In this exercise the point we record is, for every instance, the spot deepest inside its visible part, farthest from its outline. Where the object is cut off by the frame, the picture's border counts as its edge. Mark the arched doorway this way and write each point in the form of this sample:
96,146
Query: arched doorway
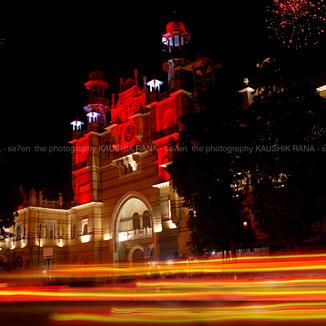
19,262
138,256
3,262
122,253
133,228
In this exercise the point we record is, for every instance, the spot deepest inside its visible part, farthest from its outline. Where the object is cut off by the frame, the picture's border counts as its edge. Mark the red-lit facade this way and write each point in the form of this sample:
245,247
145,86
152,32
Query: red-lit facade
121,159
125,207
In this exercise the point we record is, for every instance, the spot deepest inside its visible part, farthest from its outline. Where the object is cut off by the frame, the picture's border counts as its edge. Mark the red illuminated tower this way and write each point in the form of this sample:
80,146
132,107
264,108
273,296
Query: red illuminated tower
175,40
96,105
86,144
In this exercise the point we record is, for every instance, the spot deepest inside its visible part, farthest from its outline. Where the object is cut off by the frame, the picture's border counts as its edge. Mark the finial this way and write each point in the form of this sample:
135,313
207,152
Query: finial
135,75
246,81
144,82
121,83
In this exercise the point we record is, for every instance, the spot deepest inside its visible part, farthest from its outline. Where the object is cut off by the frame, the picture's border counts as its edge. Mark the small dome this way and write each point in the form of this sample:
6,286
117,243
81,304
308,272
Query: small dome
129,83
175,26
96,75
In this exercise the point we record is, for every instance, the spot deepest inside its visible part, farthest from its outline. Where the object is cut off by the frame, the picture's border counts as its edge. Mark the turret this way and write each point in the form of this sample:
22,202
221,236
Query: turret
174,40
96,105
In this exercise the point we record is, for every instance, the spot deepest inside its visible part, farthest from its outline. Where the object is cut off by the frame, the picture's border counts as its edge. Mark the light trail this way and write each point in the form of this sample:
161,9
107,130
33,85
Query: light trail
220,283
303,311
222,288
231,293
281,286
293,263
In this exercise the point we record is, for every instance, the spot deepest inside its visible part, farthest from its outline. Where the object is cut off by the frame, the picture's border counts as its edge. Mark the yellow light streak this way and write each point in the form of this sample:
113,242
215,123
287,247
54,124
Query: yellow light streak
185,315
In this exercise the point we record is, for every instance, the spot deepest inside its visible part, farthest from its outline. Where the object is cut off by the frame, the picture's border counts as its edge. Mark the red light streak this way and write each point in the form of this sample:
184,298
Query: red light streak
218,267
220,283
201,290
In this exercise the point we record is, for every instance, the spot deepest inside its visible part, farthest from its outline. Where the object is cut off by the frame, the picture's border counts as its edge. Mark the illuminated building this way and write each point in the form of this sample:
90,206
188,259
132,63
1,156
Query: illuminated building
125,208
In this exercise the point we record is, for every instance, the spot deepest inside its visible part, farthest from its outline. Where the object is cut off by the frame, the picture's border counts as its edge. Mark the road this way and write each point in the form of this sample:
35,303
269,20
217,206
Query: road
256,291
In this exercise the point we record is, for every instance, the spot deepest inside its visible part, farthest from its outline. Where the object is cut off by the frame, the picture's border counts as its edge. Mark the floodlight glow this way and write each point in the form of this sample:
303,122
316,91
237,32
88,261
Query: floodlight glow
76,124
154,84
92,116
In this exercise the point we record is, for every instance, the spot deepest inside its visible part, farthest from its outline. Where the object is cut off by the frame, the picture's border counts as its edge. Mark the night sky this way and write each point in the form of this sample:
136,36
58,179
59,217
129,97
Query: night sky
50,48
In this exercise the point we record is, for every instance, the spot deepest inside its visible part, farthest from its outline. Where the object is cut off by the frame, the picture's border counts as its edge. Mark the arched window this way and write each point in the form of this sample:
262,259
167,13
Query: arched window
138,255
169,119
85,226
85,194
136,221
146,219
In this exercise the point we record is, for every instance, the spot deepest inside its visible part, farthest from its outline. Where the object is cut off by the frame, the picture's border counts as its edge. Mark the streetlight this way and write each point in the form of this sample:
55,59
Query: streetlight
39,244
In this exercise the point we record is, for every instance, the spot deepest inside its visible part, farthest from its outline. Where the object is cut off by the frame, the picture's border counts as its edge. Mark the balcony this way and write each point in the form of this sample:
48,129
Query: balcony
136,234
96,100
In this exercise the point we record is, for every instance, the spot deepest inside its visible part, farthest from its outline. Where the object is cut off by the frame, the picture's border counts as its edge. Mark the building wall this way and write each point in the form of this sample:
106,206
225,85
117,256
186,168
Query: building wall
104,189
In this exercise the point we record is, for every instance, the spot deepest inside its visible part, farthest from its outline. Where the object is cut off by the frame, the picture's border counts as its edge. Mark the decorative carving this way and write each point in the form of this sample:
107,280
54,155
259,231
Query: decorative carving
128,164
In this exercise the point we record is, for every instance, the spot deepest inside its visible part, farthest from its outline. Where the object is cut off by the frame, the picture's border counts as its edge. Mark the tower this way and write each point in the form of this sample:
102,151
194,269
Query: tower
86,144
96,105
174,41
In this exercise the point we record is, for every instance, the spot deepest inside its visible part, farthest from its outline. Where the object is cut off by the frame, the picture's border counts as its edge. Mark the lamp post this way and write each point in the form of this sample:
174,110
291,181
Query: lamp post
39,244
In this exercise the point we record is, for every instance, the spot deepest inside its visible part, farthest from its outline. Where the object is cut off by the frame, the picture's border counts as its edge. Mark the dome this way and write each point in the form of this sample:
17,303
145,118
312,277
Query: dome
96,75
129,83
175,26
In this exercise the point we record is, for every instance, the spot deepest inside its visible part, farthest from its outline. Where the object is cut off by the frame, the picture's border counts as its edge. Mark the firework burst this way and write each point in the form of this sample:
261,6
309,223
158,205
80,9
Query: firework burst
297,23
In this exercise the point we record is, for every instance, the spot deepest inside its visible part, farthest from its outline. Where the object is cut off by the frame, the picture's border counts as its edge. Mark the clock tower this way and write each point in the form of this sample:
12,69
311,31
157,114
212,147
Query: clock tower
127,114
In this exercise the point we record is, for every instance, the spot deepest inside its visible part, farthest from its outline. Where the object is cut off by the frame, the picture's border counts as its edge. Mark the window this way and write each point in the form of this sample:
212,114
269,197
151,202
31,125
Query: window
128,110
43,232
136,221
176,41
73,227
18,233
74,231
48,230
51,232
85,226
146,219
169,119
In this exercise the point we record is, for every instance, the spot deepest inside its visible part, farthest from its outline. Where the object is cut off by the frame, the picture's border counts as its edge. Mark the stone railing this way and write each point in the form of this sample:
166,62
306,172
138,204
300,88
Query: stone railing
136,234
